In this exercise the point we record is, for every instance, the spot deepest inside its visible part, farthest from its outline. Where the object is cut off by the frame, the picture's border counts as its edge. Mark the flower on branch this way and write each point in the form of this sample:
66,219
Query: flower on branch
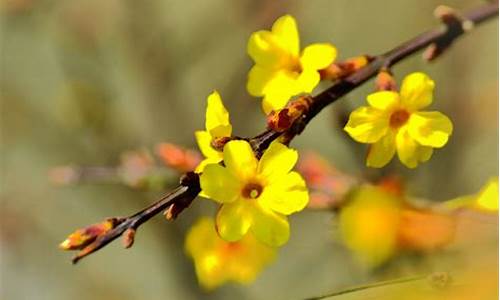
255,195
394,123
280,70
217,126
217,261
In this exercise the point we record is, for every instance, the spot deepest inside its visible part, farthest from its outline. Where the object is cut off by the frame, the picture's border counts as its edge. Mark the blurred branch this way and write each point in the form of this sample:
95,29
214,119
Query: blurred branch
300,112
438,279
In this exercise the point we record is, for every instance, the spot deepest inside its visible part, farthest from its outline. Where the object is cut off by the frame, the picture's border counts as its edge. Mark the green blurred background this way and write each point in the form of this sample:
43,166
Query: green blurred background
83,81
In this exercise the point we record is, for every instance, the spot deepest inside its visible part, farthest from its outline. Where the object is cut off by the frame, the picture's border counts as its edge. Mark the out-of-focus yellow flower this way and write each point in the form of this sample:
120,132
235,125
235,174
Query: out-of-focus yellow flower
217,261
378,223
255,195
280,71
369,224
394,123
486,200
217,125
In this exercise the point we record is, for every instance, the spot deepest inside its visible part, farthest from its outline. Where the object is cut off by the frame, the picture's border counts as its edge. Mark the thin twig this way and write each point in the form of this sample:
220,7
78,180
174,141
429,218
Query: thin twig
370,286
182,196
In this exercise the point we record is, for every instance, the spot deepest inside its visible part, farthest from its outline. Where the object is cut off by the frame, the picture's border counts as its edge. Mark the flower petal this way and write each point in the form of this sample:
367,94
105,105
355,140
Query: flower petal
277,161
487,198
430,128
204,141
381,152
268,227
266,49
207,161
240,159
383,100
410,153
233,220
258,78
219,184
287,195
416,91
367,124
217,117
200,237
307,81
318,56
285,30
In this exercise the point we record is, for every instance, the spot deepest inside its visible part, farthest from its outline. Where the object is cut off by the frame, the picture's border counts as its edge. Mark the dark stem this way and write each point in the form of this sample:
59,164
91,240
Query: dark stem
440,38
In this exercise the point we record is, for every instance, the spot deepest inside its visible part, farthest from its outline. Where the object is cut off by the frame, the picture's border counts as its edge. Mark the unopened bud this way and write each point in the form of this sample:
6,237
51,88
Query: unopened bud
84,236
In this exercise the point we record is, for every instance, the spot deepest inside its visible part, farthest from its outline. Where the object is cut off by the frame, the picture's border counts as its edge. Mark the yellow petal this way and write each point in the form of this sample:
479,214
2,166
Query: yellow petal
430,128
381,152
285,30
318,56
266,50
268,227
416,91
217,118
258,78
200,237
487,198
286,195
207,161
274,102
410,153
306,82
383,100
240,159
233,220
201,244
250,259
277,161
204,141
369,224
367,124
219,184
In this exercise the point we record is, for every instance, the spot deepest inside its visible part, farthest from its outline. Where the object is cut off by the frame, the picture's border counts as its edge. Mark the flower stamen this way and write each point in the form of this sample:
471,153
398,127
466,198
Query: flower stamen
399,118
252,190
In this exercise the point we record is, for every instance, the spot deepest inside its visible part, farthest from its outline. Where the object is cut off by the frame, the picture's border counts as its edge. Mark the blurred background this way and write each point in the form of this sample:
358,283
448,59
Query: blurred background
82,82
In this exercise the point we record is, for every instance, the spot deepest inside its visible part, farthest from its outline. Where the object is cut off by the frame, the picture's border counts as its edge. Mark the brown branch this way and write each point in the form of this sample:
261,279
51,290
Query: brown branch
180,198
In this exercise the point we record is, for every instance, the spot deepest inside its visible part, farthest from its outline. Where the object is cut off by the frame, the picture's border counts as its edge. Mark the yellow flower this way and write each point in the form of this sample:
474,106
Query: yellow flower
255,195
217,261
369,224
486,200
394,123
217,125
280,71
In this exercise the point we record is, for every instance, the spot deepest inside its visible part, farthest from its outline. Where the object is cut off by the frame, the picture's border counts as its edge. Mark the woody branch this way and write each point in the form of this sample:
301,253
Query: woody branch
434,41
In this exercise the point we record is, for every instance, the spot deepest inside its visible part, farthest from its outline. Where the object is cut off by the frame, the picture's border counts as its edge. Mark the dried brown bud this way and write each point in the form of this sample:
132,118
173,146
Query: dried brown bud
385,81
283,119
84,236
219,142
128,238
344,68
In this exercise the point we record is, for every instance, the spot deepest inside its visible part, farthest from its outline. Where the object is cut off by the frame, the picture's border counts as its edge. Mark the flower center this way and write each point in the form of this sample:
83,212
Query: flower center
252,190
399,118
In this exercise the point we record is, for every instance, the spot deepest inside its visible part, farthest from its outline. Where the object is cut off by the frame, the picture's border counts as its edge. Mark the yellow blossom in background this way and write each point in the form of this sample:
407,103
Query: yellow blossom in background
369,224
217,125
281,70
378,223
255,195
486,200
217,261
394,123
